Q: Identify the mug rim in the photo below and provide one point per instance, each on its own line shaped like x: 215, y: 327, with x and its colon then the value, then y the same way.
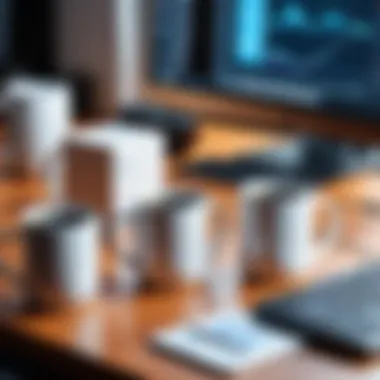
x: 45, y: 215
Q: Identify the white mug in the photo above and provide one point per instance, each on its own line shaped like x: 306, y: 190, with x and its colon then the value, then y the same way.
x: 171, y: 238
x: 279, y: 223
x: 188, y: 217
x: 257, y: 204
x: 61, y: 248
x: 296, y: 241
x: 39, y: 118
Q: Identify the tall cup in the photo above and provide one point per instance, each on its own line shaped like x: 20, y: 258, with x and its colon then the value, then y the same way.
x: 39, y: 118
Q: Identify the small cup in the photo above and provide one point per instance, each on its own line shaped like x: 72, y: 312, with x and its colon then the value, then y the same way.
x: 61, y: 248
x: 257, y: 205
x: 297, y: 243
x: 170, y: 237
x: 278, y: 224
x: 187, y: 221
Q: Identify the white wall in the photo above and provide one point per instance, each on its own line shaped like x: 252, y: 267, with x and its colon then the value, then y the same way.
x: 100, y: 37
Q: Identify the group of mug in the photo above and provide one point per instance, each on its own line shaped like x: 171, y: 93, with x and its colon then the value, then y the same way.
x: 164, y: 237
x: 172, y: 240
x: 161, y: 240
x: 188, y: 236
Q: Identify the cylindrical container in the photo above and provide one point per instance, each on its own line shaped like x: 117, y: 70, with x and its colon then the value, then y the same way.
x: 39, y: 119
x: 62, y: 246
x: 279, y: 225
x: 297, y: 244
x: 171, y: 239
x: 188, y: 241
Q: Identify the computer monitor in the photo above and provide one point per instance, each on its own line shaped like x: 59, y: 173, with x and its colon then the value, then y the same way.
x: 319, y: 55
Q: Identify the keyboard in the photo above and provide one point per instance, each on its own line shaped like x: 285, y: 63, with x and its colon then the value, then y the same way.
x: 343, y: 313
x: 234, y: 171
x: 302, y: 159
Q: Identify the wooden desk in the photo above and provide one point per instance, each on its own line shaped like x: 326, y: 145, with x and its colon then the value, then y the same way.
x: 111, y: 336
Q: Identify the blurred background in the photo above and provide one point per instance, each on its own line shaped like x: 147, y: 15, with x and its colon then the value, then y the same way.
x: 232, y: 58
x: 231, y: 144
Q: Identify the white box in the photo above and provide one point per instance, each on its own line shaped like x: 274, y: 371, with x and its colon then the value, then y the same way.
x: 111, y: 167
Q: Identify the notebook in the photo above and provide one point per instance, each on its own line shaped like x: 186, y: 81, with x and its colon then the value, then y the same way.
x: 227, y: 343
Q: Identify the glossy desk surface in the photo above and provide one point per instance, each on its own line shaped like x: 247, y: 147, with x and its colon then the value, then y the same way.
x: 112, y: 335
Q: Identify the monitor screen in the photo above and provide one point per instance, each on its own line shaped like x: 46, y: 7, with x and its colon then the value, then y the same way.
x: 314, y: 54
